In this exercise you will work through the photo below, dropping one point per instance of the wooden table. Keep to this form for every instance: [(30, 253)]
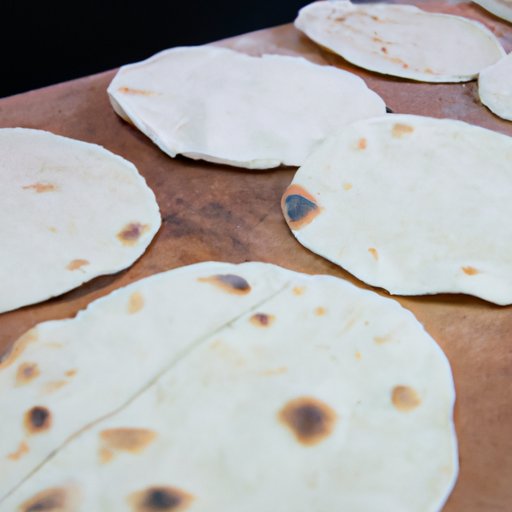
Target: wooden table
[(213, 212)]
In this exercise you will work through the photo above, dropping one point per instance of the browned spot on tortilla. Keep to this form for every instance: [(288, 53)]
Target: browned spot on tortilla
[(380, 340), (133, 440), (262, 319), (55, 499), (376, 39), (375, 18), (22, 450), (160, 498), (40, 188), (358, 355), (320, 311), (429, 71), (374, 253), (384, 49), (362, 143), (299, 207), (18, 348), (309, 419), (105, 455), (137, 92), (71, 373), (135, 303), (54, 385), (52, 229), (298, 290), (274, 371), (405, 398), (37, 420), (347, 186), (228, 282), (26, 373), (470, 271), (399, 130), (76, 264), (131, 233)]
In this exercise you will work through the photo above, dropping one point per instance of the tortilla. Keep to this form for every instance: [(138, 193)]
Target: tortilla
[(500, 8), (402, 40), (226, 107), (230, 387), (70, 211), (495, 87), (411, 204)]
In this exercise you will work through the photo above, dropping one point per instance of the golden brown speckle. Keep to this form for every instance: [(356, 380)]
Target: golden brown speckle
[(41, 188), (298, 291), (405, 398), (22, 450), (26, 373), (228, 282), (132, 440), (135, 303), (320, 311), (347, 186), (380, 340), (274, 371), (56, 499), (54, 385), (136, 92), (358, 355), (77, 264), (71, 373), (374, 253), (160, 498), (470, 271), (399, 130), (262, 320), (132, 232), (310, 420), (37, 420), (362, 143)]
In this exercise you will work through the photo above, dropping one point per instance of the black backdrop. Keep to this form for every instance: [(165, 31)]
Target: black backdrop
[(46, 42)]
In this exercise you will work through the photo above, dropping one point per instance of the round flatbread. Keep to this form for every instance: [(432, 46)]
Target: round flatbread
[(411, 204), (70, 211), (500, 8), (402, 40), (222, 387), (495, 87), (226, 107)]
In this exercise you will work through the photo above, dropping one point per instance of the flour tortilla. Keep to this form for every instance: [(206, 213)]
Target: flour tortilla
[(310, 395), (495, 87), (70, 211), (500, 8), (402, 40), (226, 107), (411, 204)]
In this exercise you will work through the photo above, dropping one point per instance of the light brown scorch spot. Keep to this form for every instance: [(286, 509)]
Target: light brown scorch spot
[(131, 440), (26, 373), (77, 264), (347, 186), (262, 320), (400, 129), (22, 450), (374, 253), (54, 385), (160, 498), (362, 143), (310, 420), (470, 271), (228, 282), (135, 303), (55, 499), (41, 188), (405, 398), (320, 311), (132, 232)]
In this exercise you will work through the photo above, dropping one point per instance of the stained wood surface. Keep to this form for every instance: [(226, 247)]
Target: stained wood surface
[(213, 212)]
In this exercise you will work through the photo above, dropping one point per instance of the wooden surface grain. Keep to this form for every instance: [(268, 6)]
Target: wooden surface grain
[(213, 212)]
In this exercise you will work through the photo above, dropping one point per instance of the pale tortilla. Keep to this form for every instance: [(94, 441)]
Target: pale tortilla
[(402, 40), (226, 107), (495, 87), (500, 8), (70, 211), (411, 204), (233, 387)]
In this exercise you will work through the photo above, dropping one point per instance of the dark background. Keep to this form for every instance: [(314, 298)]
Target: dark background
[(43, 43)]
